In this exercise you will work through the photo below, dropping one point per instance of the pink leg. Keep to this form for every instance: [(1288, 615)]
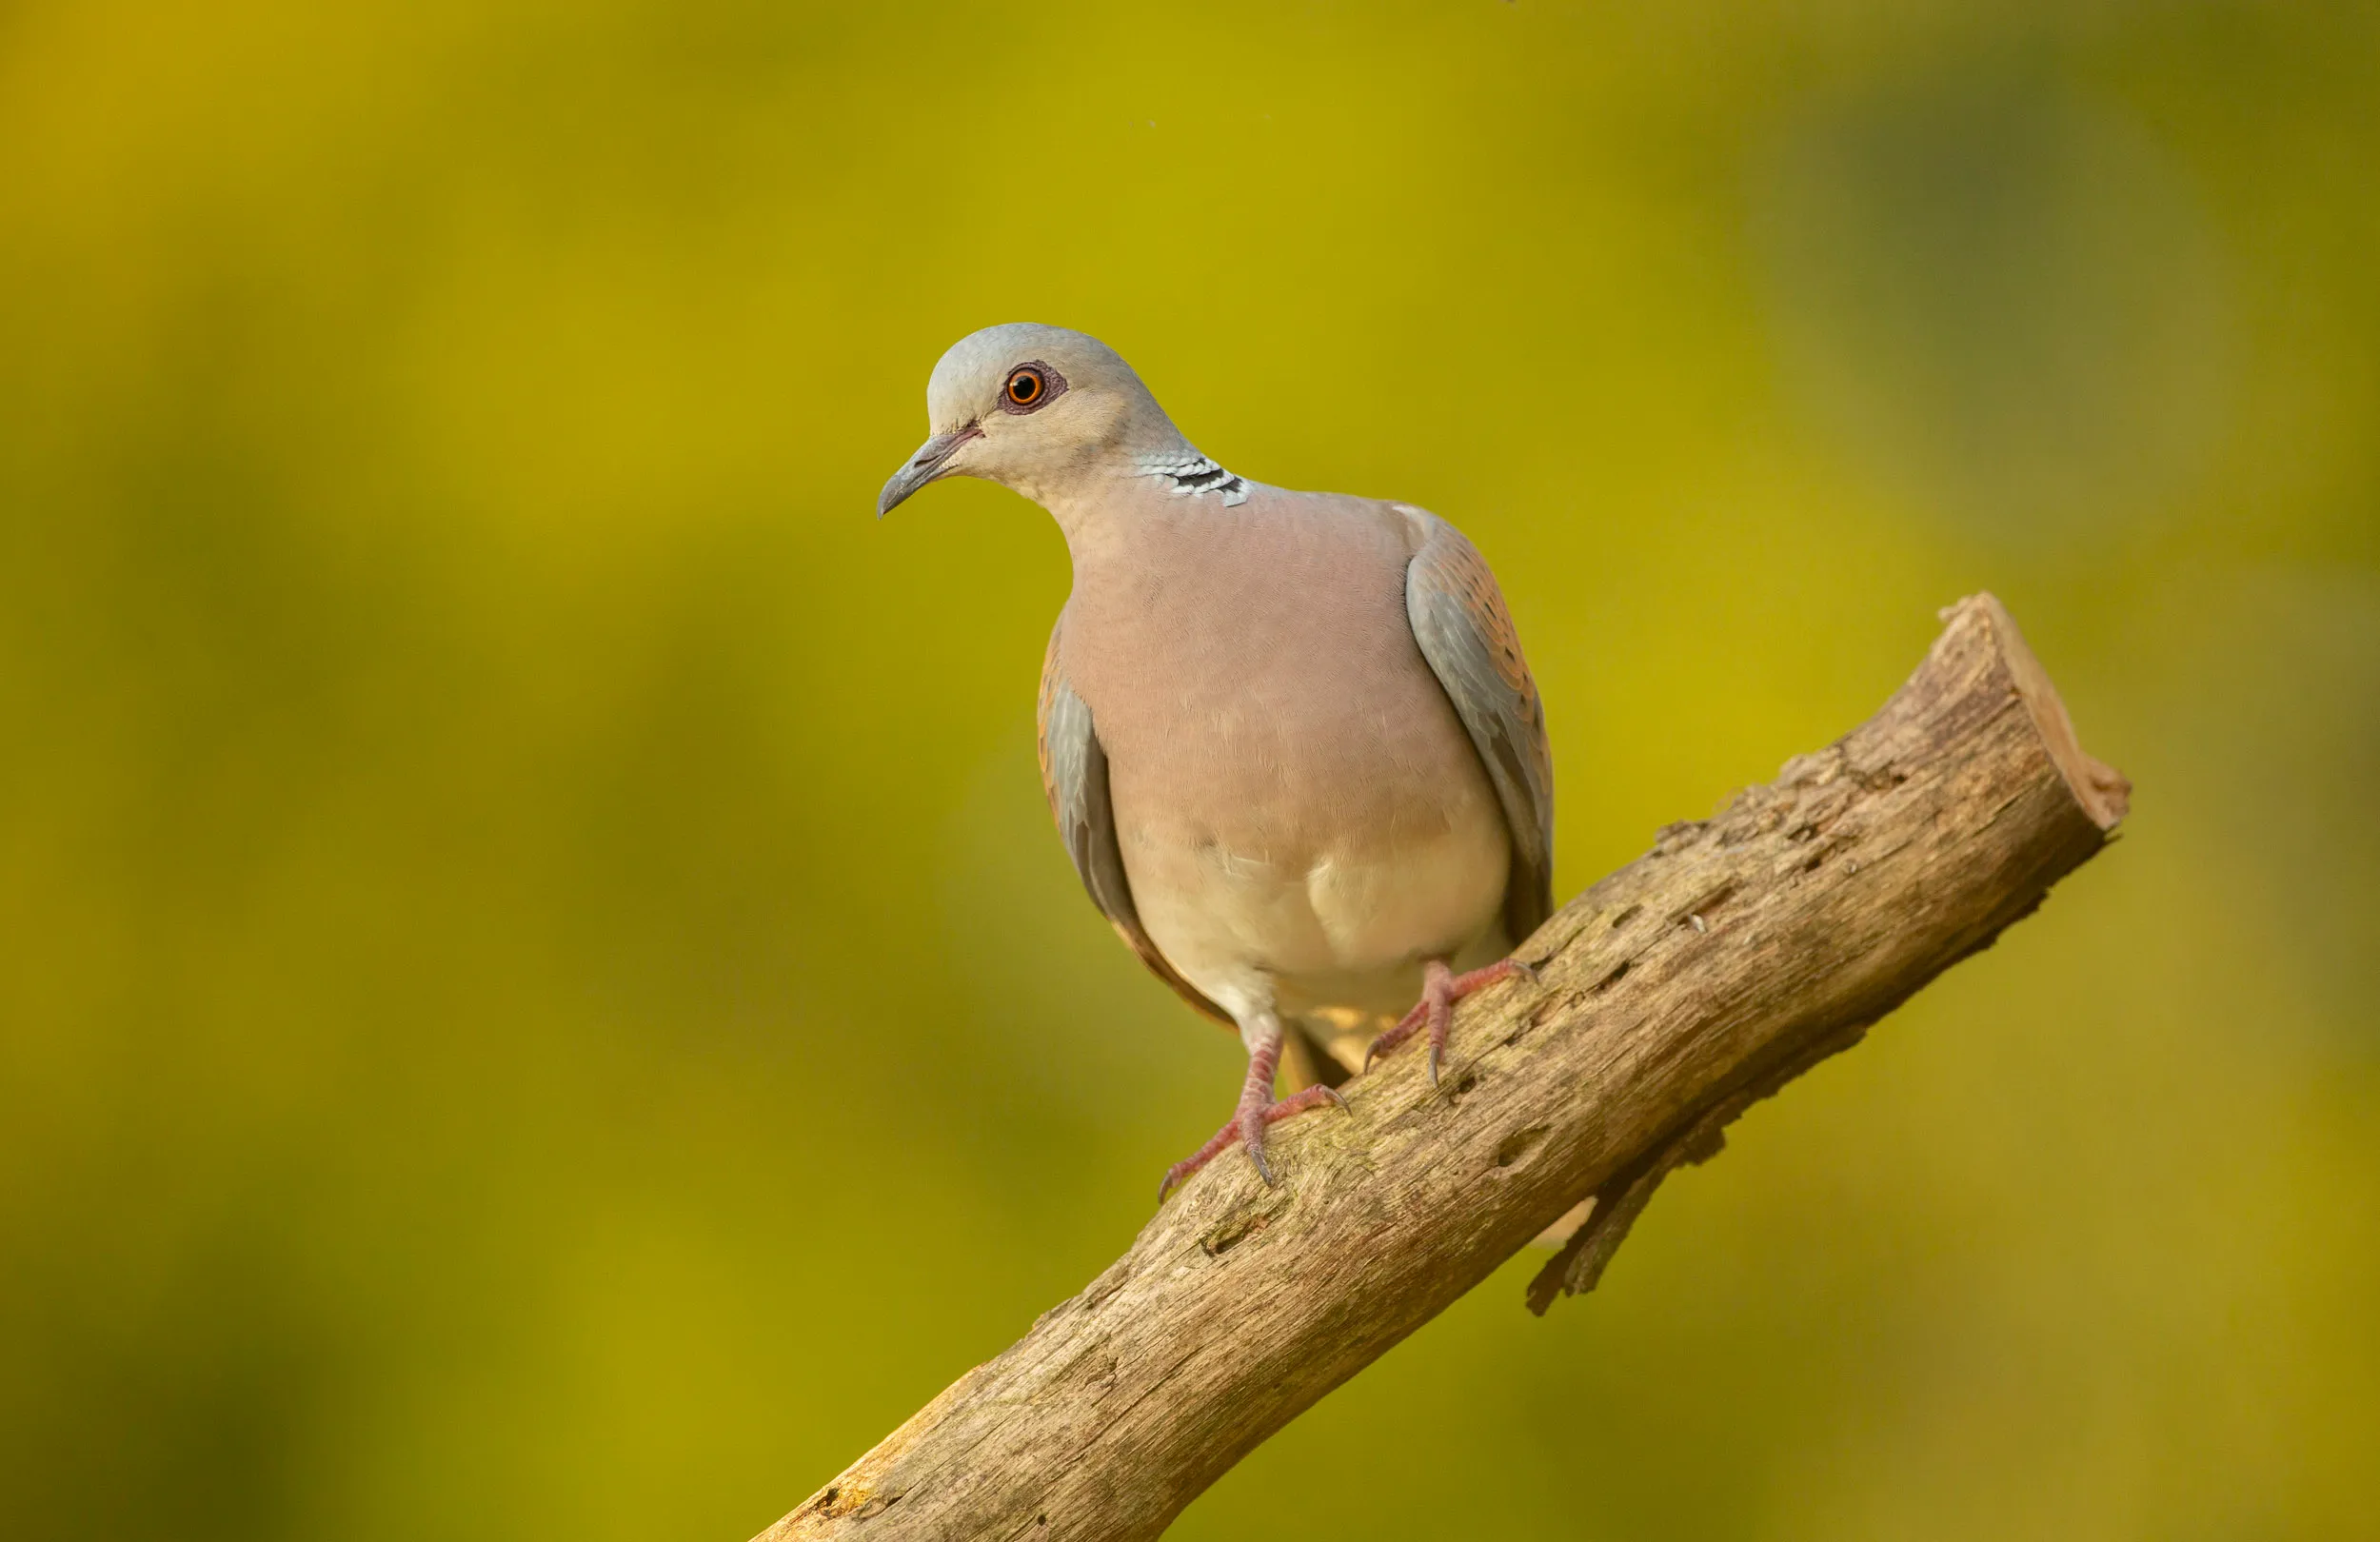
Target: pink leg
[(1256, 1109), (1440, 989)]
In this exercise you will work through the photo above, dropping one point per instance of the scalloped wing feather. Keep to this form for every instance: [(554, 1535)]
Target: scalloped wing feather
[(1468, 638)]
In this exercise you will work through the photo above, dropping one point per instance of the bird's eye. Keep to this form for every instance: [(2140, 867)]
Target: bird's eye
[(1030, 387)]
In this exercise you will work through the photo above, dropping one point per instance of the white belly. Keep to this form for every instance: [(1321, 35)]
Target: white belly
[(1339, 934)]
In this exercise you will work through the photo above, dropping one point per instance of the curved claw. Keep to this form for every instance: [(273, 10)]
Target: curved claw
[(1388, 1040), (1247, 1129), (1174, 1174)]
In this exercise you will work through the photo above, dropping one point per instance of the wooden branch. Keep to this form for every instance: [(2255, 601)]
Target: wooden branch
[(1736, 954)]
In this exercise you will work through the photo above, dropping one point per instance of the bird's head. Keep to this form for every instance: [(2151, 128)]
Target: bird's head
[(1037, 409)]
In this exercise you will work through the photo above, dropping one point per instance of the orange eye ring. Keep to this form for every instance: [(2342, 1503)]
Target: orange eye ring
[(1029, 387)]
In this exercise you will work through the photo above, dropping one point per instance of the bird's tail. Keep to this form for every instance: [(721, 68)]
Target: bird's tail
[(1327, 1052)]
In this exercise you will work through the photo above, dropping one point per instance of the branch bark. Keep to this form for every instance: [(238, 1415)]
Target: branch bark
[(1704, 975)]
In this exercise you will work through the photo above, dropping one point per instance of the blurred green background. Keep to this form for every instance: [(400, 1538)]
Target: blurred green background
[(537, 996)]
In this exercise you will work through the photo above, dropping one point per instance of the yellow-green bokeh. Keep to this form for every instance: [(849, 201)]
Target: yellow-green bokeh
[(536, 995)]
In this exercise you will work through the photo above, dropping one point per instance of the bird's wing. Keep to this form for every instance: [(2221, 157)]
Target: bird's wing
[(1467, 637), (1074, 777)]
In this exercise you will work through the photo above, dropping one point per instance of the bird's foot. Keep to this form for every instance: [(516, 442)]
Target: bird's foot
[(1247, 1126), (1440, 989)]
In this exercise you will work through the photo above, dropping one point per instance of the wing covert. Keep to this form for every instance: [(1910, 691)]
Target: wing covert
[(1468, 638)]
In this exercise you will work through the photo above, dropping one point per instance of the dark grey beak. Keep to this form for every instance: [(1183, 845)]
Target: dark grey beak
[(930, 462)]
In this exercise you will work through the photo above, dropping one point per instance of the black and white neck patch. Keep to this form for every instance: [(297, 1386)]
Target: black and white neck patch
[(1195, 474)]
